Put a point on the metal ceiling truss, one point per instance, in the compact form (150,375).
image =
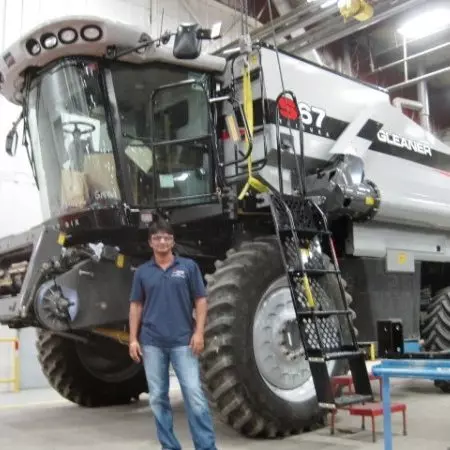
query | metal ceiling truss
(324,25)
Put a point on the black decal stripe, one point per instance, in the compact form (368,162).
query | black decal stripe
(332,128)
(437,160)
(370,130)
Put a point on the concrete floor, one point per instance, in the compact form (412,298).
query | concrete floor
(41,420)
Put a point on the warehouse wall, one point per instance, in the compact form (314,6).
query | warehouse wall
(19,199)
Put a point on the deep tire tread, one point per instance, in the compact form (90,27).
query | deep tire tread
(65,373)
(221,374)
(436,330)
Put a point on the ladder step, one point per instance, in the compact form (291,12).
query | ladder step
(304,232)
(352,399)
(299,273)
(331,312)
(343,355)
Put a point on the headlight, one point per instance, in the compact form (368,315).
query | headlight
(91,33)
(33,47)
(67,35)
(49,41)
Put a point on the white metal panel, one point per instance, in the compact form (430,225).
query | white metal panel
(414,191)
(337,95)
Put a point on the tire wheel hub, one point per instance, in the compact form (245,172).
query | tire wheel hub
(291,345)
(279,352)
(276,346)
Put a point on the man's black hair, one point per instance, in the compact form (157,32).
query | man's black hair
(160,225)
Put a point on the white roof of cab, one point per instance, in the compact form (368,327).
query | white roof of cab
(15,59)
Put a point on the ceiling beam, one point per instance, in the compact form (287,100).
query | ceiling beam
(280,23)
(336,28)
(414,81)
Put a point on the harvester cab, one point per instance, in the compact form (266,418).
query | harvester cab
(105,133)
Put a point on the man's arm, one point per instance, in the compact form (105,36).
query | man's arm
(201,309)
(135,320)
(135,316)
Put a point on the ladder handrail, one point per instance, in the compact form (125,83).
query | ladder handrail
(301,176)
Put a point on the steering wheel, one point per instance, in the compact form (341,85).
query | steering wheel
(77,132)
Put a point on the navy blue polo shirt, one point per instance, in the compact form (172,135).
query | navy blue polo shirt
(169,299)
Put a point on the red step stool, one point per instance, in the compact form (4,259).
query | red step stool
(347,381)
(372,410)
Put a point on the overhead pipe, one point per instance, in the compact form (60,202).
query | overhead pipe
(327,12)
(282,6)
(301,10)
(405,55)
(335,24)
(266,30)
(321,38)
(416,80)
(300,26)
(422,94)
(411,57)
(400,102)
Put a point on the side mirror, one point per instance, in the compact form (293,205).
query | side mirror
(11,142)
(12,138)
(187,44)
(188,39)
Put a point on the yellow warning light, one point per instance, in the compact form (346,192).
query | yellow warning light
(61,238)
(402,258)
(120,261)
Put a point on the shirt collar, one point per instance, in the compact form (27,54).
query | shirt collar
(175,261)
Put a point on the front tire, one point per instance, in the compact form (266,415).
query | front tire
(249,305)
(70,370)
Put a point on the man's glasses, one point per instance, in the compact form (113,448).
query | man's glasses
(159,238)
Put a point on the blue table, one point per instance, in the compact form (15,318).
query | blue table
(431,369)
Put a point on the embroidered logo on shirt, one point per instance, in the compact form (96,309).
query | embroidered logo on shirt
(179,274)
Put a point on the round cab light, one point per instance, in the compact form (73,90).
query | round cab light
(49,41)
(91,33)
(67,35)
(33,47)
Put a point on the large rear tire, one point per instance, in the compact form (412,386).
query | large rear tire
(259,382)
(70,369)
(436,330)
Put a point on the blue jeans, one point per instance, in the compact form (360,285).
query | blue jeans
(156,363)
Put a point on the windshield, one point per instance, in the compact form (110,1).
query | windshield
(165,133)
(72,150)
(162,134)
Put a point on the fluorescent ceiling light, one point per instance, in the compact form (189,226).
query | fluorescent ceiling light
(426,24)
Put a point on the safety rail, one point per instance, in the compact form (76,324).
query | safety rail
(15,379)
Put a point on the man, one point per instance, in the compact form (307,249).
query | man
(165,292)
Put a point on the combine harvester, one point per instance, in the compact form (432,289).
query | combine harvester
(281,179)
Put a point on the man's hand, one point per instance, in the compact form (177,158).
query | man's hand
(197,343)
(135,351)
